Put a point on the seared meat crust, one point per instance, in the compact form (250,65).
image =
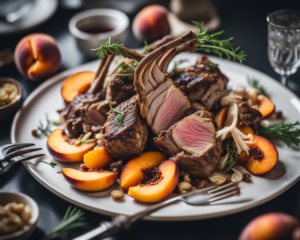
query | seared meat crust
(128,141)
(249,115)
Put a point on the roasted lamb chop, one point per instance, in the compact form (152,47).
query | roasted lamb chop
(192,143)
(202,83)
(248,115)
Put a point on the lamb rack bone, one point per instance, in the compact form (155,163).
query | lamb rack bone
(160,42)
(167,58)
(153,56)
(97,83)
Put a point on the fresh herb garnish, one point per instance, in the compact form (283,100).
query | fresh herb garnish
(147,47)
(178,63)
(285,132)
(121,114)
(253,82)
(72,220)
(213,65)
(85,138)
(52,164)
(112,47)
(44,129)
(59,172)
(211,43)
(232,154)
(128,68)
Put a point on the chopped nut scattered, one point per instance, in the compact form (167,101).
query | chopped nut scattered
(184,187)
(99,136)
(34,133)
(117,195)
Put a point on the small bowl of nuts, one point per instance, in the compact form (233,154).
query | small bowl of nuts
(11,92)
(18,216)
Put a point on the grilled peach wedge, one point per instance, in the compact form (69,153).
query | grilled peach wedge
(89,181)
(97,158)
(262,157)
(220,117)
(59,147)
(246,130)
(76,84)
(132,173)
(160,189)
(265,106)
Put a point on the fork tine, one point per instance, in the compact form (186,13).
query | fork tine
(223,196)
(17,147)
(222,192)
(6,146)
(222,187)
(28,158)
(20,152)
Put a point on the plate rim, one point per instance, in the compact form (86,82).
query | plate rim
(59,76)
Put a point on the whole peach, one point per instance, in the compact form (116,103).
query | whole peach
(37,56)
(270,226)
(151,23)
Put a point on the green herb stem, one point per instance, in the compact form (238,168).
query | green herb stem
(285,132)
(253,82)
(121,114)
(232,154)
(52,164)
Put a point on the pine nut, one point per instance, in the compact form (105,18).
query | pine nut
(99,136)
(186,178)
(117,195)
(184,187)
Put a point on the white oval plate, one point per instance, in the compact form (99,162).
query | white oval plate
(47,99)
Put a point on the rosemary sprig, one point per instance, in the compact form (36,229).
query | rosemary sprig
(232,154)
(285,132)
(112,47)
(128,68)
(211,43)
(253,82)
(147,47)
(121,114)
(213,65)
(45,130)
(72,220)
(59,172)
(52,164)
(178,63)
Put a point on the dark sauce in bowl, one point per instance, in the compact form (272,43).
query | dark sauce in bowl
(96,29)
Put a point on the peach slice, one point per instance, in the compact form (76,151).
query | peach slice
(89,181)
(98,158)
(76,84)
(270,226)
(259,163)
(246,130)
(220,117)
(163,188)
(59,147)
(132,173)
(265,106)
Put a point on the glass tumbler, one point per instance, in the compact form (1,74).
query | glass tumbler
(284,42)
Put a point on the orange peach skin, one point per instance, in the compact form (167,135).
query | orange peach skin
(264,165)
(220,117)
(151,23)
(246,130)
(76,84)
(89,181)
(37,56)
(132,173)
(59,147)
(161,190)
(97,158)
(270,226)
(265,106)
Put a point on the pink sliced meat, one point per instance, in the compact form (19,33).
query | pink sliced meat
(172,109)
(194,134)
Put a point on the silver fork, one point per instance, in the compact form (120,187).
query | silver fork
(12,153)
(204,196)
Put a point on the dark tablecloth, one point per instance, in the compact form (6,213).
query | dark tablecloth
(246,21)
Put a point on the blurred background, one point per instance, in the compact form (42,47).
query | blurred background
(245,20)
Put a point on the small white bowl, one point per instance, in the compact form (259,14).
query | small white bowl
(7,197)
(104,17)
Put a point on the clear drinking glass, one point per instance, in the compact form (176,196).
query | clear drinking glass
(284,42)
